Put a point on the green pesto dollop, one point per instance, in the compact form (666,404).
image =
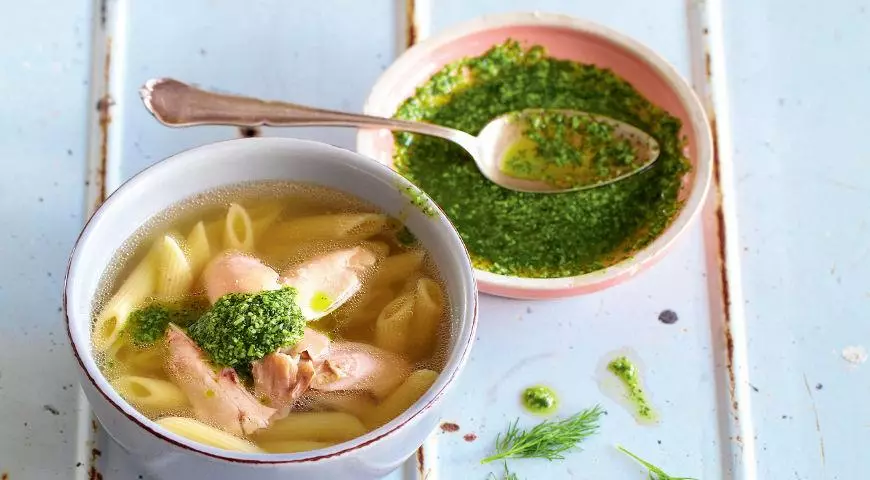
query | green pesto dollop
(527,234)
(147,324)
(568,150)
(540,400)
(241,328)
(627,372)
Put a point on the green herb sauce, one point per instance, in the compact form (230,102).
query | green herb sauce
(540,400)
(147,324)
(567,151)
(627,372)
(241,328)
(538,235)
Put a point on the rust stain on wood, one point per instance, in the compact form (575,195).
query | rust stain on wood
(708,66)
(105,118)
(410,23)
(721,234)
(248,132)
(93,473)
(421,462)
(723,270)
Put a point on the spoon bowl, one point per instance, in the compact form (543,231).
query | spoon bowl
(499,136)
(177,104)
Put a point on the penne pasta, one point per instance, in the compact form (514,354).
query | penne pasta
(294,446)
(263,216)
(351,227)
(293,253)
(392,328)
(214,230)
(358,404)
(113,317)
(313,426)
(380,249)
(130,358)
(202,433)
(366,310)
(428,309)
(398,268)
(402,398)
(409,324)
(150,393)
(238,229)
(174,273)
(199,248)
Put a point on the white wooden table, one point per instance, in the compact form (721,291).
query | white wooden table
(762,391)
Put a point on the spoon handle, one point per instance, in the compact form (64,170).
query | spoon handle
(178,104)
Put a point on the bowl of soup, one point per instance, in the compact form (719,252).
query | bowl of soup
(268,307)
(528,245)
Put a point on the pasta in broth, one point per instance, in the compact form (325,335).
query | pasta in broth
(271,317)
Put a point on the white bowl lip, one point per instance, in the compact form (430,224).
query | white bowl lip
(703,167)
(465,335)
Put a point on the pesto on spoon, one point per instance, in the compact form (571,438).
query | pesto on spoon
(540,151)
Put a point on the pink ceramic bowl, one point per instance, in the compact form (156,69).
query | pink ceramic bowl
(573,39)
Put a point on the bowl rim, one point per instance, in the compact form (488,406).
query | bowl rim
(82,350)
(526,287)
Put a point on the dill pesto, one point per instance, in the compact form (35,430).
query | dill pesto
(540,400)
(626,371)
(527,234)
(567,150)
(419,200)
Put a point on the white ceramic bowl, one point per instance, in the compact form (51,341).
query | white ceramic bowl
(171,456)
(573,39)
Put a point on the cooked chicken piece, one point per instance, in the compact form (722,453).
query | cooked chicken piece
(328,281)
(217,396)
(313,342)
(359,366)
(282,377)
(234,272)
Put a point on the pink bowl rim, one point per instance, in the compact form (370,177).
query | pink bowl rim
(520,287)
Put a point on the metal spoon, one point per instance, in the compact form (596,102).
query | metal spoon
(177,104)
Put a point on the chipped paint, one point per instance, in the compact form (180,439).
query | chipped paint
(725,288)
(449,427)
(249,132)
(411,27)
(421,462)
(708,68)
(856,355)
(105,118)
(104,10)
(93,472)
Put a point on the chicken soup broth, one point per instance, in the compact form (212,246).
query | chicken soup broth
(271,317)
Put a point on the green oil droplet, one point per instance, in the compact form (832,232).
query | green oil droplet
(540,400)
(628,373)
(320,302)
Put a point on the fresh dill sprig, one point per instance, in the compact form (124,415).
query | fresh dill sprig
(655,473)
(506,475)
(548,439)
